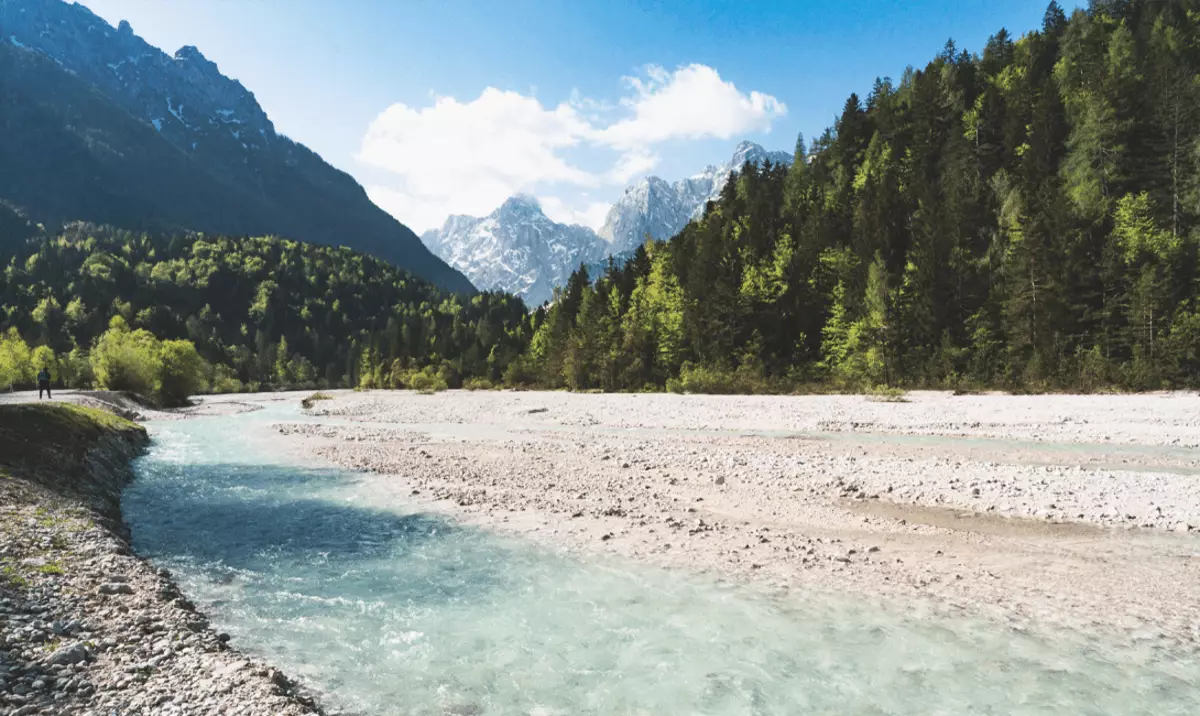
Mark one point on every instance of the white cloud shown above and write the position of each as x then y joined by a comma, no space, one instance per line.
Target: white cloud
592,215
632,163
691,103
457,157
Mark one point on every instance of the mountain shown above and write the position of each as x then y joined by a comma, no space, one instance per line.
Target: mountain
654,208
102,126
516,248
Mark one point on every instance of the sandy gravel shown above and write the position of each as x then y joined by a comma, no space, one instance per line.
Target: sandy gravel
1074,511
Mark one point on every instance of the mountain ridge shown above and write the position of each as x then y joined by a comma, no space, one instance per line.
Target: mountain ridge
208,136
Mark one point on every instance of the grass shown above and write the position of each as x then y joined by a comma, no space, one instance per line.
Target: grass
39,436
10,577
308,402
51,568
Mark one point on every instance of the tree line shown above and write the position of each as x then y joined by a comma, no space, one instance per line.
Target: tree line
1025,217
170,314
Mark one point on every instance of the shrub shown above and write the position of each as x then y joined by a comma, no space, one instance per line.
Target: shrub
225,380
886,394
521,372
126,360
181,372
163,371
15,363
745,380
476,383
308,402
427,382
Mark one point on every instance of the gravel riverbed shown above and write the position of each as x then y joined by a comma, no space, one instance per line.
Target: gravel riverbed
1041,511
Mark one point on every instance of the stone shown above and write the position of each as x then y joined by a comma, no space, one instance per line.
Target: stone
115,588
72,654
1182,527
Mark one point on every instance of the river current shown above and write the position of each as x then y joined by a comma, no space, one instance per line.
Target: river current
389,610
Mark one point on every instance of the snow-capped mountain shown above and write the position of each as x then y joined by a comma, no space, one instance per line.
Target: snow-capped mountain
654,208
516,248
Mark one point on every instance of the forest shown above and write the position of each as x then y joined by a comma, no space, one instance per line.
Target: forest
171,314
1024,218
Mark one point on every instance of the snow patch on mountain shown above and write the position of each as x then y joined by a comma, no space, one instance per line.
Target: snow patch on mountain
516,248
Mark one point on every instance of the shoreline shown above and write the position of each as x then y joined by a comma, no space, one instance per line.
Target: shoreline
86,625
975,527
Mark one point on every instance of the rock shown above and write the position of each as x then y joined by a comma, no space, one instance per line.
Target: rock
115,588
720,480
1182,527
73,654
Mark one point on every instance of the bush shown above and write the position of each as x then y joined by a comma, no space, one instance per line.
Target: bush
75,369
166,372
478,384
521,372
746,380
225,380
127,360
886,394
427,382
181,372
15,360
311,400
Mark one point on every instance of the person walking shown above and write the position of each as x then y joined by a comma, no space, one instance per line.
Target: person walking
43,379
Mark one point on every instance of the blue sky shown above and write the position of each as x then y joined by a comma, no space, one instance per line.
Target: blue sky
448,106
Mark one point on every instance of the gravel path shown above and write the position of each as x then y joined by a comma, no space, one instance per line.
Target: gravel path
1076,511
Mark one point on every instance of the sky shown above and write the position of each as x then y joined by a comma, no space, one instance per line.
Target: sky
443,107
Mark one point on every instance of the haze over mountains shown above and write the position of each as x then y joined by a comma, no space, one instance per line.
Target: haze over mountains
107,128
518,249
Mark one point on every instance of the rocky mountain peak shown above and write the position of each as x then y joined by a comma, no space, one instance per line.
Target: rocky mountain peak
525,204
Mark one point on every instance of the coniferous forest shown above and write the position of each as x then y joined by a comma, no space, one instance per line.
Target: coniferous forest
1026,217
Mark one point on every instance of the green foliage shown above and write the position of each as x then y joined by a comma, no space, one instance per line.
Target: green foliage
886,394
182,372
426,382
1025,218
127,360
478,384
43,357
15,359
312,400
261,312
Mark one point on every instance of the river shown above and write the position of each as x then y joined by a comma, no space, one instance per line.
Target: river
389,610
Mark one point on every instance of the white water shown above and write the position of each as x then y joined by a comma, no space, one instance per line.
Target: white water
390,611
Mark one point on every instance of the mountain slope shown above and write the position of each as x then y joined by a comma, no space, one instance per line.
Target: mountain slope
516,248
102,126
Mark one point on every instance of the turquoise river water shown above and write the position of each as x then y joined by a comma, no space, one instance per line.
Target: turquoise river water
388,610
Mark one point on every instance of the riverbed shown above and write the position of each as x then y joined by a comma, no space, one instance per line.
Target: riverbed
464,573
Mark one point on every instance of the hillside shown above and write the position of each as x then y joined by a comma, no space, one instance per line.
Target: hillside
102,127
